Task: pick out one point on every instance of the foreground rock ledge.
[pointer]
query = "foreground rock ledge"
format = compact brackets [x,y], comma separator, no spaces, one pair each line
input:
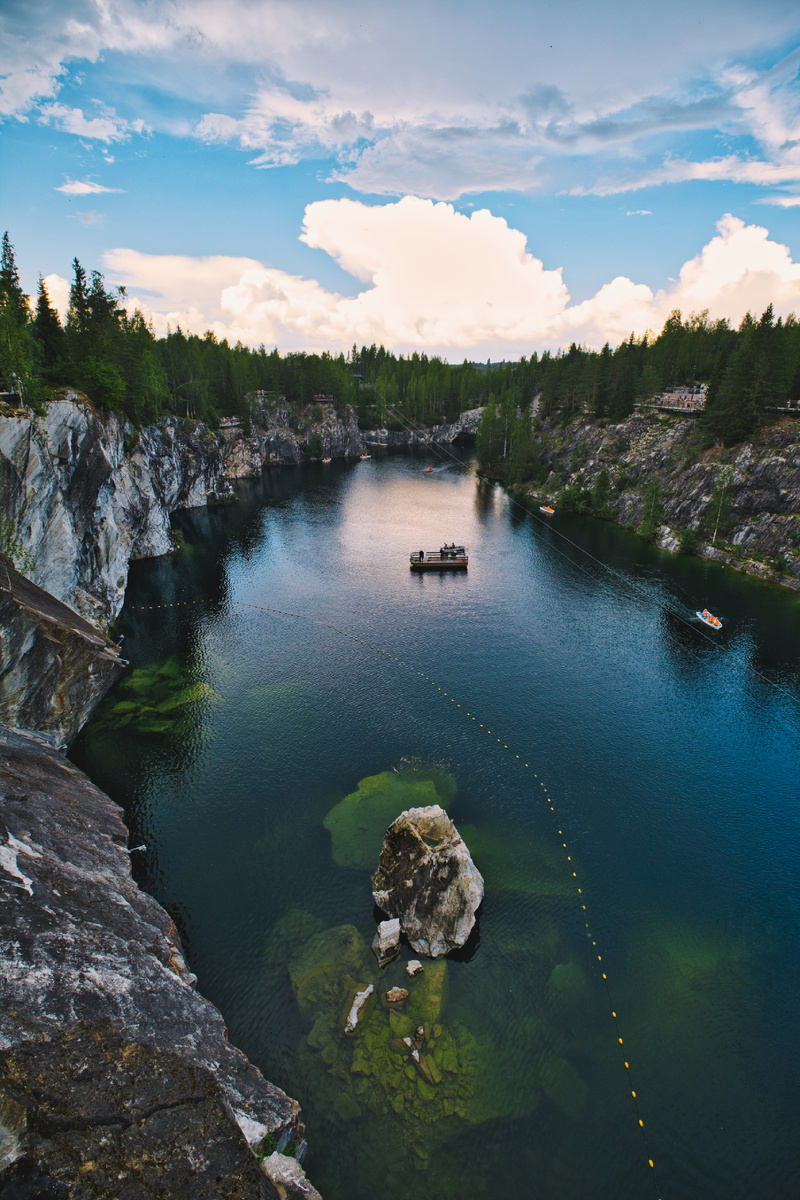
[116,1076]
[428,880]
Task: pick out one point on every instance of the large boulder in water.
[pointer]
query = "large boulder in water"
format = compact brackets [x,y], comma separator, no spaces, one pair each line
[427,879]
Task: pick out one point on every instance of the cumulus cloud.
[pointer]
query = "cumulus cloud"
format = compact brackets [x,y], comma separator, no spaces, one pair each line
[58,293]
[437,280]
[84,187]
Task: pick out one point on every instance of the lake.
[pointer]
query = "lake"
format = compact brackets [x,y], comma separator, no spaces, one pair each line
[626,780]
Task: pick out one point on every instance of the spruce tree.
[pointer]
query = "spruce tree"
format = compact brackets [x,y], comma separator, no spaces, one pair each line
[50,335]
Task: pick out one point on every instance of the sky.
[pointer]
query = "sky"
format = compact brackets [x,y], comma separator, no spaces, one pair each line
[473,179]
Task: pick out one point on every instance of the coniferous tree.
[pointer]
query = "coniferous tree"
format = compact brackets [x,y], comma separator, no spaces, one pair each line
[19,352]
[50,335]
[489,442]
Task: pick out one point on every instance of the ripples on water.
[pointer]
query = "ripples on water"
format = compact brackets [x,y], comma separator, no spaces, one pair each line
[672,764]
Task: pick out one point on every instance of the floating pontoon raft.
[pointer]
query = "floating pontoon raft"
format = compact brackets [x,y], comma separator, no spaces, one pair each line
[446,558]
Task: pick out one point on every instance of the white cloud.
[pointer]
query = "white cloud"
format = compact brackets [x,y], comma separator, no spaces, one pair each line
[84,187]
[58,293]
[437,280]
[639,212]
[106,128]
[729,168]
[416,98]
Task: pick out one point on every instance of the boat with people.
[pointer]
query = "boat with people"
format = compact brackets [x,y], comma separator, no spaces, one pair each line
[709,619]
[546,509]
[326,460]
[447,558]
[363,456]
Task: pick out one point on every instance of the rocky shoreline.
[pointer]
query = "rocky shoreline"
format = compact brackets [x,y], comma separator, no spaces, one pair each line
[116,1075]
[749,494]
[87,494]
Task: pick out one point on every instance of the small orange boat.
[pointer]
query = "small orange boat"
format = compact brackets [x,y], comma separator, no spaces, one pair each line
[709,619]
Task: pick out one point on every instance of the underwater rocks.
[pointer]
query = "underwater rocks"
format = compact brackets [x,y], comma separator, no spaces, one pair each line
[428,880]
[358,822]
[357,1007]
[386,943]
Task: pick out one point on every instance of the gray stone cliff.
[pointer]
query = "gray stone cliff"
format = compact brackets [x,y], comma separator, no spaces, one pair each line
[464,430]
[116,1076]
[760,534]
[87,493]
[54,664]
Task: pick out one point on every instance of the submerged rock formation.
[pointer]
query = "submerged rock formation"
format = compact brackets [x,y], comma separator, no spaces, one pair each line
[54,664]
[113,1069]
[427,879]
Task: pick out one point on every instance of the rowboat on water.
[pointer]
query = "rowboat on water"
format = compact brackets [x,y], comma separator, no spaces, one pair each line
[363,456]
[709,619]
[326,460]
[545,508]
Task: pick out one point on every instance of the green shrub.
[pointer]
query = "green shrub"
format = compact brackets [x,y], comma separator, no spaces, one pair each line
[313,448]
[12,548]
[687,542]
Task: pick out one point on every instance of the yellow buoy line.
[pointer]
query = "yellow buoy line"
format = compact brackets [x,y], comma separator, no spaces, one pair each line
[497,741]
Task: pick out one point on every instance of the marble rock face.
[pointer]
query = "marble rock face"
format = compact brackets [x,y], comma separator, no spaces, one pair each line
[427,879]
[113,1068]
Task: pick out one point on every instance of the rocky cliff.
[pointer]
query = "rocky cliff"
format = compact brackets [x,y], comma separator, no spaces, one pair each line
[54,664]
[116,1076]
[749,494]
[87,494]
[464,431]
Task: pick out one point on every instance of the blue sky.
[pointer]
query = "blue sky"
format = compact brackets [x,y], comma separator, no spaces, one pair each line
[470,179]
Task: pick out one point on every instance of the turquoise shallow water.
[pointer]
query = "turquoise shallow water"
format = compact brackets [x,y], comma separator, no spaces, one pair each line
[670,757]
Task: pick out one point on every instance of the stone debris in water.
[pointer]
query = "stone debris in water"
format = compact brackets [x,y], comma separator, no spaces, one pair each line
[414,967]
[357,1007]
[428,881]
[289,1177]
[396,995]
[386,943]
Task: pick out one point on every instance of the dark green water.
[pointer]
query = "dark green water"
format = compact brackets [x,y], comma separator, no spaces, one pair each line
[672,763]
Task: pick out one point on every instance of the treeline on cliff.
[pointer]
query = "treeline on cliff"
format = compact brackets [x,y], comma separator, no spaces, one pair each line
[114,357]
